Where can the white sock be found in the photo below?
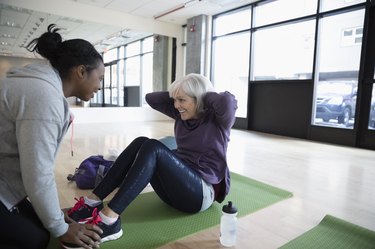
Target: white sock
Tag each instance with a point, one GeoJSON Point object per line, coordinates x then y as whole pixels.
{"type": "Point", "coordinates": [91, 202]}
{"type": "Point", "coordinates": [107, 220]}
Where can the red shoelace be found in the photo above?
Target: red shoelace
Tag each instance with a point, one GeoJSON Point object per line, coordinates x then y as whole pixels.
{"type": "Point", "coordinates": [95, 219]}
{"type": "Point", "coordinates": [79, 204]}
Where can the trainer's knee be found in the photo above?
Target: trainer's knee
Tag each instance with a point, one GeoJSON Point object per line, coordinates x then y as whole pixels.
{"type": "Point", "coordinates": [40, 240]}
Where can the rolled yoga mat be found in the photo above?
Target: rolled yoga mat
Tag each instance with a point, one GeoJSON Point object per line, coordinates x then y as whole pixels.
{"type": "Point", "coordinates": [333, 232]}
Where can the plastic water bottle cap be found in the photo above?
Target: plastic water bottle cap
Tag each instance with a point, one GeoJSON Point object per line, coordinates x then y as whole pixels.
{"type": "Point", "coordinates": [229, 208]}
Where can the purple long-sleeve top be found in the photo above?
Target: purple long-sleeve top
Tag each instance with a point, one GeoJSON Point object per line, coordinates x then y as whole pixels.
{"type": "Point", "coordinates": [202, 143]}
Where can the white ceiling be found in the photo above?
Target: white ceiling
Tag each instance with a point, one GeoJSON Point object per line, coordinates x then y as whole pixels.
{"type": "Point", "coordinates": [18, 26]}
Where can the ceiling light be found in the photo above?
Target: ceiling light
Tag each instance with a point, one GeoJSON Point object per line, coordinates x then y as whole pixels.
{"type": "Point", "coordinates": [4, 43]}
{"type": "Point", "coordinates": [11, 24]}
{"type": "Point", "coordinates": [8, 36]}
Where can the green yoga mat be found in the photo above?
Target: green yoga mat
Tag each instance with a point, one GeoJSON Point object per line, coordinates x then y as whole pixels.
{"type": "Point", "coordinates": [333, 232]}
{"type": "Point", "coordinates": [149, 223]}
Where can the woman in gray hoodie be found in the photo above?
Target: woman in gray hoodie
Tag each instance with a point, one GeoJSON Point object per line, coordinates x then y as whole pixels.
{"type": "Point", "coordinates": [34, 117]}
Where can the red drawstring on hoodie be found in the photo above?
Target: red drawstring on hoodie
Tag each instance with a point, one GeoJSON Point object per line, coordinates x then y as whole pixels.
{"type": "Point", "coordinates": [72, 133]}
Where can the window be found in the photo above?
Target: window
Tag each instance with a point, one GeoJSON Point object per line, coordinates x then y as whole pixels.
{"type": "Point", "coordinates": [231, 67]}
{"type": "Point", "coordinates": [284, 52]}
{"type": "Point", "coordinates": [230, 55]}
{"type": "Point", "coordinates": [110, 79]}
{"type": "Point", "coordinates": [337, 71]}
{"type": "Point", "coordinates": [232, 22]}
{"type": "Point", "coordinates": [132, 72]}
{"type": "Point", "coordinates": [130, 66]}
{"type": "Point", "coordinates": [133, 48]}
{"type": "Point", "coordinates": [147, 68]}
{"type": "Point", "coordinates": [139, 66]}
{"type": "Point", "coordinates": [114, 100]}
{"type": "Point", "coordinates": [148, 45]}
{"type": "Point", "coordinates": [327, 5]}
{"type": "Point", "coordinates": [121, 52]}
{"type": "Point", "coordinates": [283, 46]}
{"type": "Point", "coordinates": [277, 11]}
{"type": "Point", "coordinates": [121, 80]}
{"type": "Point", "coordinates": [147, 79]}
{"type": "Point", "coordinates": [110, 55]}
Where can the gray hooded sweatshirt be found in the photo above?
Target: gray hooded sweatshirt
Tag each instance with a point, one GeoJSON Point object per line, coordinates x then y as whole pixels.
{"type": "Point", "coordinates": [34, 116]}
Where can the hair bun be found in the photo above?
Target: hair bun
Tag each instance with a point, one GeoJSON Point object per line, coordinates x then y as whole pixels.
{"type": "Point", "coordinates": [47, 45]}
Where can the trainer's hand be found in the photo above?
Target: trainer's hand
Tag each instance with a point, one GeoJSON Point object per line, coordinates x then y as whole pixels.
{"type": "Point", "coordinates": [66, 216]}
{"type": "Point", "coordinates": [83, 235]}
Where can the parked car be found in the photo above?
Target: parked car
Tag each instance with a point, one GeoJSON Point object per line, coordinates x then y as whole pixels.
{"type": "Point", "coordinates": [336, 100]}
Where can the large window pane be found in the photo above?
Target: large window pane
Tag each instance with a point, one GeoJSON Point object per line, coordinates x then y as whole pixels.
{"type": "Point", "coordinates": [148, 44]}
{"type": "Point", "coordinates": [133, 71]}
{"type": "Point", "coordinates": [147, 76]}
{"type": "Point", "coordinates": [126, 66]}
{"type": "Point", "coordinates": [107, 77]}
{"type": "Point", "coordinates": [107, 96]}
{"type": "Point", "coordinates": [121, 82]}
{"type": "Point", "coordinates": [133, 48]}
{"type": "Point", "coordinates": [111, 85]}
{"type": "Point", "coordinates": [115, 84]}
{"type": "Point", "coordinates": [327, 5]}
{"type": "Point", "coordinates": [284, 52]}
{"type": "Point", "coordinates": [232, 22]}
{"type": "Point", "coordinates": [281, 10]}
{"type": "Point", "coordinates": [337, 69]}
{"type": "Point", "coordinates": [121, 52]}
{"type": "Point", "coordinates": [110, 55]}
{"type": "Point", "coordinates": [231, 67]}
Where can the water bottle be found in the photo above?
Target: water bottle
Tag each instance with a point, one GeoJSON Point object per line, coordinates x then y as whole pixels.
{"type": "Point", "coordinates": [228, 225]}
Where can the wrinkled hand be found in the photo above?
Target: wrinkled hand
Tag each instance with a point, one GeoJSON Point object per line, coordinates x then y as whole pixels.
{"type": "Point", "coordinates": [84, 235]}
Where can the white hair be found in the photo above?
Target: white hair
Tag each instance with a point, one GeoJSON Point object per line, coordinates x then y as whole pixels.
{"type": "Point", "coordinates": [195, 86]}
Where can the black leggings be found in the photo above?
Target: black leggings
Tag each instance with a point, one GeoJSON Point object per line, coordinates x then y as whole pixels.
{"type": "Point", "coordinates": [22, 228]}
{"type": "Point", "coordinates": [149, 161]}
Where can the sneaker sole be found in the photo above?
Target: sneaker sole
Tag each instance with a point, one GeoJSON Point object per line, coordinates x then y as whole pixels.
{"type": "Point", "coordinates": [112, 236]}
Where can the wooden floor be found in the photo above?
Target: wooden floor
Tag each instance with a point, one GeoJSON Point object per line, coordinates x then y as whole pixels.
{"type": "Point", "coordinates": [324, 179]}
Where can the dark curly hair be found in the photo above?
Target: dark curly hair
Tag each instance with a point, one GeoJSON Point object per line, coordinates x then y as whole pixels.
{"type": "Point", "coordinates": [64, 55]}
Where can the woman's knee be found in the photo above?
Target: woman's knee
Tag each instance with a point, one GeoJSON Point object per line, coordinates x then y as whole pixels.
{"type": "Point", "coordinates": [41, 242]}
{"type": "Point", "coordinates": [153, 145]}
{"type": "Point", "coordinates": [140, 139]}
{"type": "Point", "coordinates": [136, 144]}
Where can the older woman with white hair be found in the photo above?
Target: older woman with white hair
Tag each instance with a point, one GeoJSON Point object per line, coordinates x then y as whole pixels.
{"type": "Point", "coordinates": [189, 177]}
